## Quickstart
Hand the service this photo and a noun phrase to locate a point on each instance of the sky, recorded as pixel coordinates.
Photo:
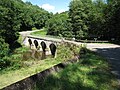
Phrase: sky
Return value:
(52, 5)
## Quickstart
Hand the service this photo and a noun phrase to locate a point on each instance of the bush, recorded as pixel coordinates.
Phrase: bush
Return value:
(4, 50)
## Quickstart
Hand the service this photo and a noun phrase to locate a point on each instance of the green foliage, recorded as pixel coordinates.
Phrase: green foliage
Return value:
(22, 55)
(112, 18)
(97, 19)
(22, 68)
(105, 22)
(42, 32)
(78, 14)
(4, 50)
(59, 24)
(16, 15)
(91, 73)
(33, 16)
(8, 23)
(88, 19)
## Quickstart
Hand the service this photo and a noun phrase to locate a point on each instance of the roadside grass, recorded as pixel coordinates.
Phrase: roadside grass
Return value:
(42, 32)
(20, 39)
(92, 72)
(21, 69)
(34, 28)
(15, 59)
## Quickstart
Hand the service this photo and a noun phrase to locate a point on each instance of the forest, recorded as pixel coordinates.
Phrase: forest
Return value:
(85, 19)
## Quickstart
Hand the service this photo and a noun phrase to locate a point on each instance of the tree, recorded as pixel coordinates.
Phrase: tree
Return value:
(59, 25)
(8, 22)
(16, 16)
(113, 20)
(78, 14)
(97, 19)
(26, 19)
(33, 16)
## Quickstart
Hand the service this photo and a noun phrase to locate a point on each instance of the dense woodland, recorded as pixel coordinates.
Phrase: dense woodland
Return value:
(16, 16)
(86, 19)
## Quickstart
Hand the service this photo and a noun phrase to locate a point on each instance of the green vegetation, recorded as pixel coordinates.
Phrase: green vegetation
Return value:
(15, 60)
(42, 32)
(92, 72)
(79, 12)
(58, 25)
(21, 68)
(16, 16)
(4, 51)
(113, 20)
(87, 19)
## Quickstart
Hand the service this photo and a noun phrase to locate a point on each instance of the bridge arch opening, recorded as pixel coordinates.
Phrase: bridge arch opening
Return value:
(30, 41)
(53, 48)
(43, 44)
(36, 44)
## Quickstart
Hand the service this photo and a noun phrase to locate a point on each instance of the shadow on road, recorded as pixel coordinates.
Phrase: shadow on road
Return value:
(113, 57)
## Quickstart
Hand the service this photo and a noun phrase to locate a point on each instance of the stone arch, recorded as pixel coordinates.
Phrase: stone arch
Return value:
(36, 43)
(30, 42)
(53, 48)
(43, 44)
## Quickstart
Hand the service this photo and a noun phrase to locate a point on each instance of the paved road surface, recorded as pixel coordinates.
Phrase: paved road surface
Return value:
(25, 33)
(111, 52)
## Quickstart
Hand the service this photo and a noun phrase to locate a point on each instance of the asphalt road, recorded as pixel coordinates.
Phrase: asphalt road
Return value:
(25, 33)
(111, 52)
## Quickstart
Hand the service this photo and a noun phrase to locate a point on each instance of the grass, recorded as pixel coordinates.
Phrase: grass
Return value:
(19, 39)
(92, 72)
(19, 70)
(34, 28)
(42, 32)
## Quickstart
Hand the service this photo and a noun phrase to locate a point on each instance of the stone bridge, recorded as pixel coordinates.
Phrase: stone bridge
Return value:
(41, 44)
(45, 43)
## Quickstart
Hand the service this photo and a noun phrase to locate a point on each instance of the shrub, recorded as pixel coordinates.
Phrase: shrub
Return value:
(4, 50)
